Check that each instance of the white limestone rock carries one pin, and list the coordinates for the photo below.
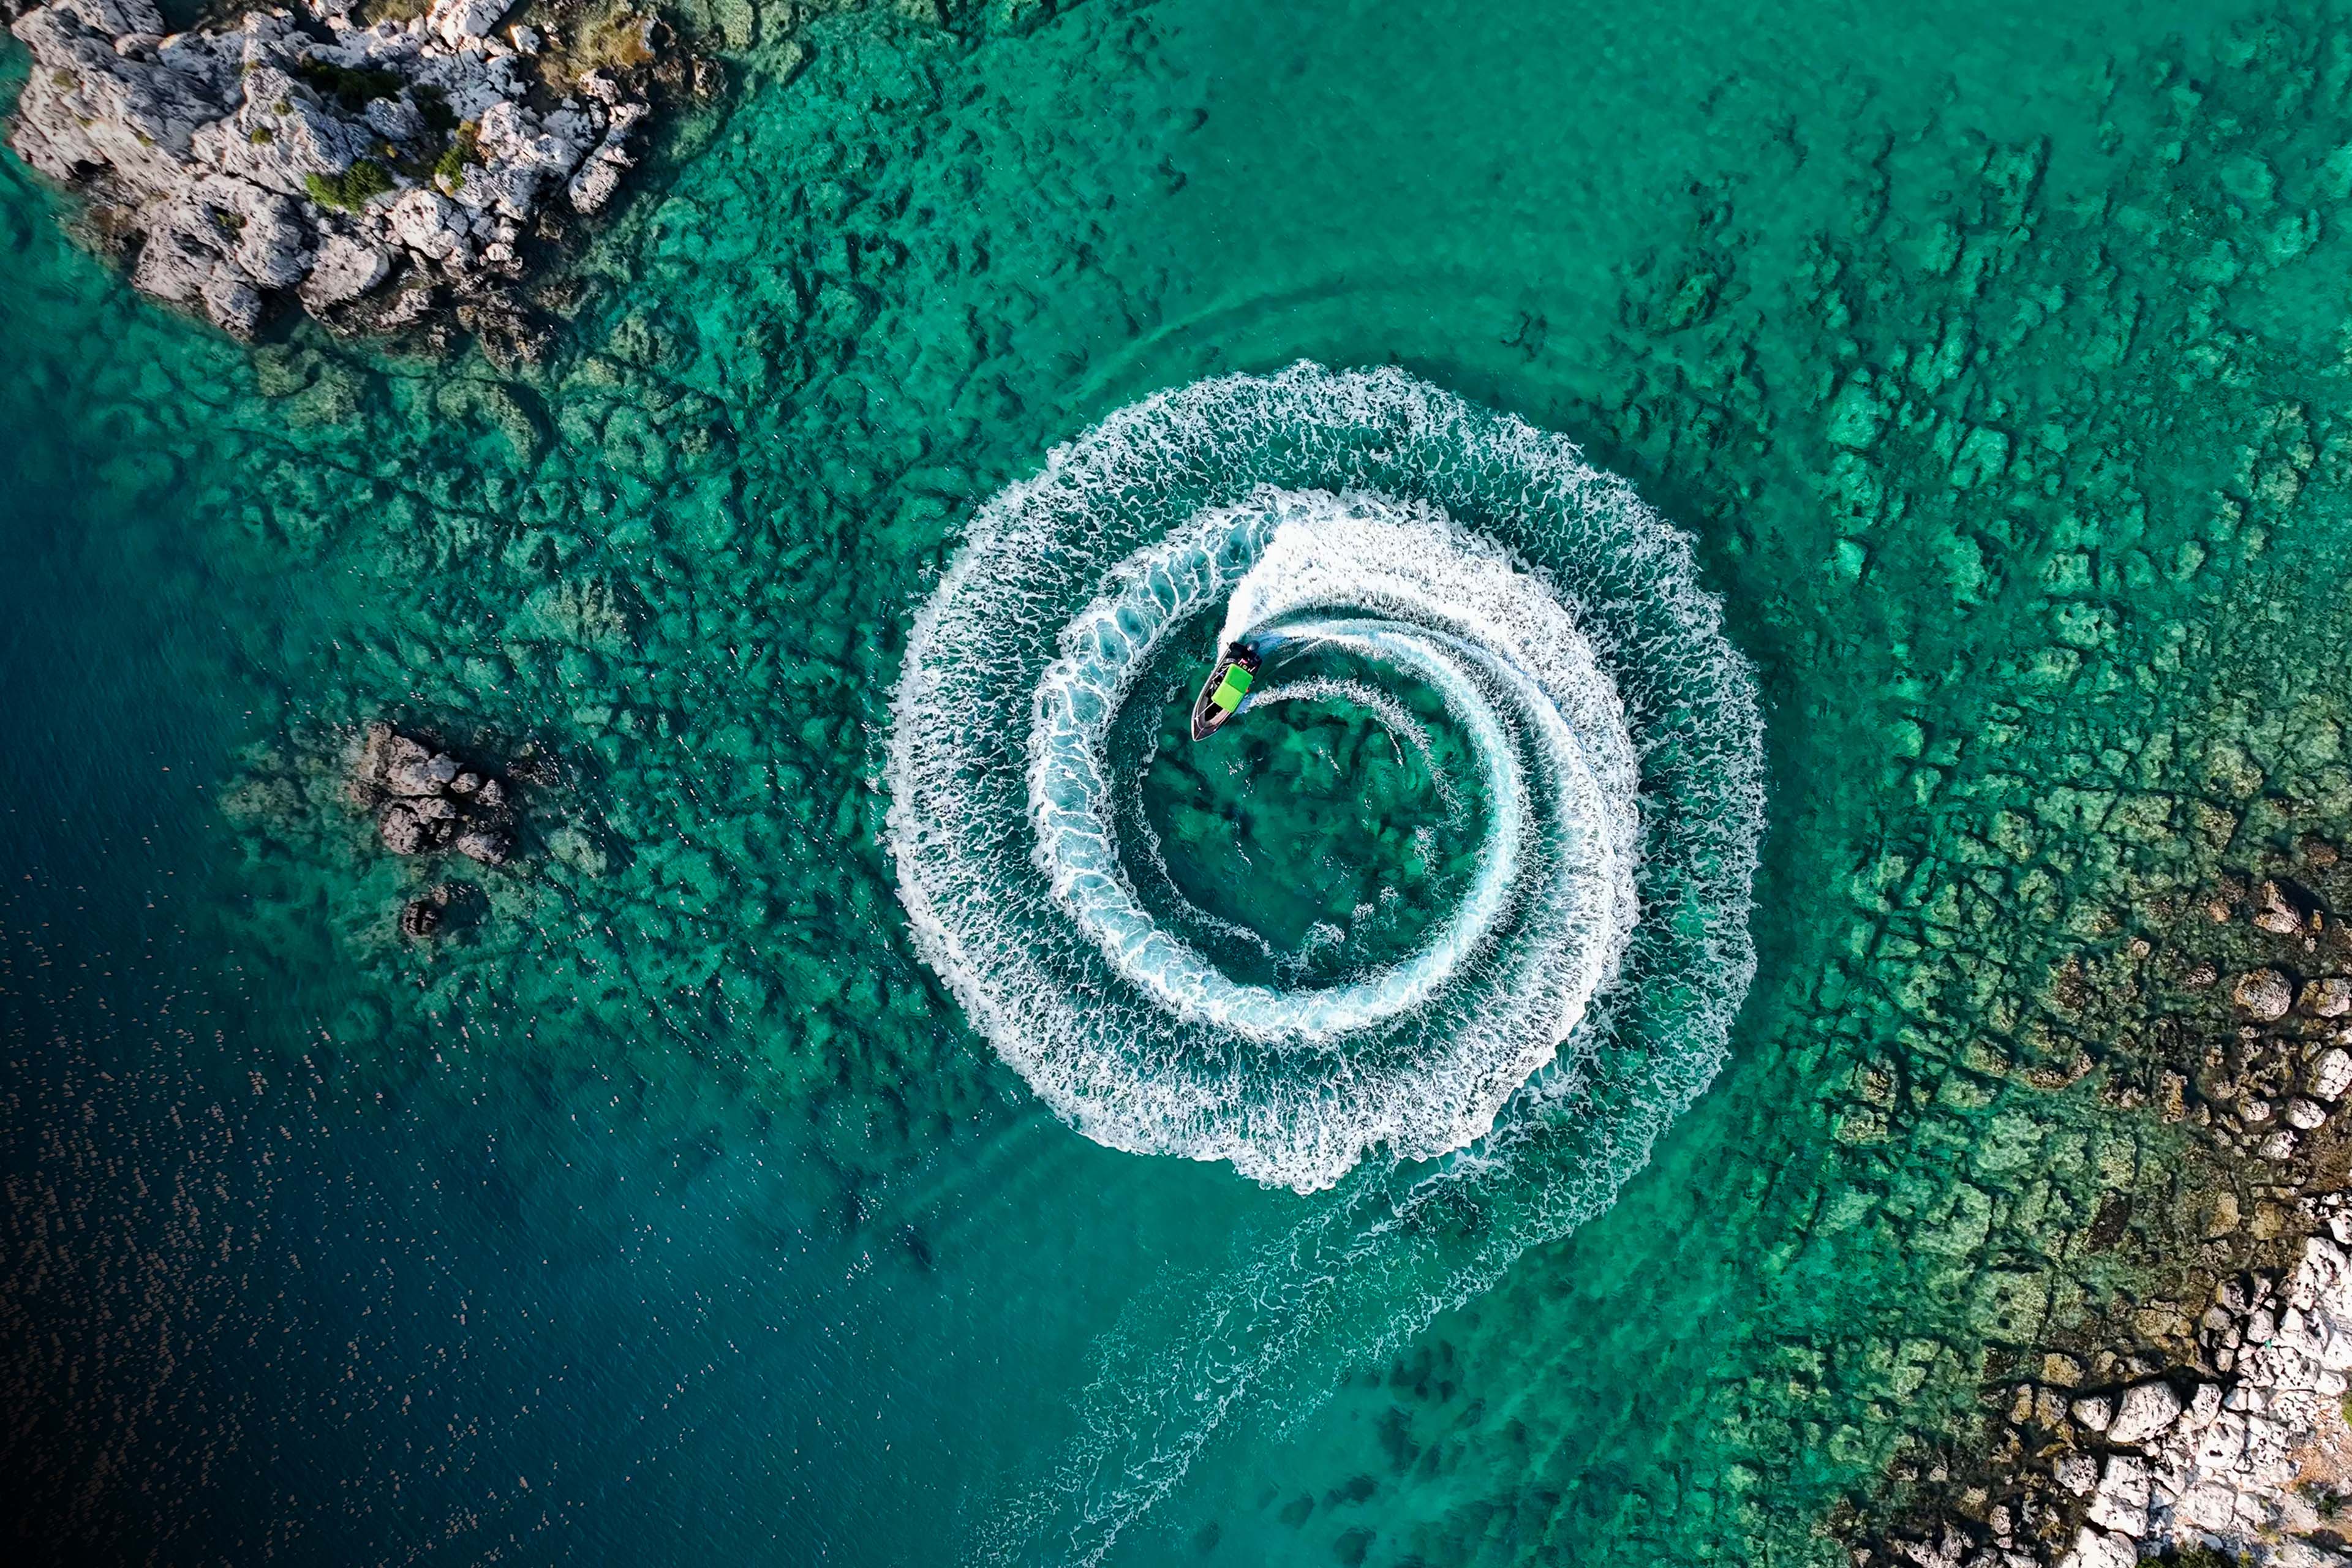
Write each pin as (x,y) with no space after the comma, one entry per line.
(116,19)
(2146,1409)
(456,20)
(403,831)
(2121,1503)
(2094,1413)
(488,848)
(280,134)
(170,267)
(521,154)
(593,186)
(395,120)
(345,269)
(2209,1506)
(600,176)
(218,245)
(2220,1444)
(2331,1075)
(2204,1405)
(2096,1549)
(2326,998)
(410,304)
(430,225)
(2224,1474)
(86,108)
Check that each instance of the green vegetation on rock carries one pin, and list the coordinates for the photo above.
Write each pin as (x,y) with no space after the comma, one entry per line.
(351,189)
(351,89)
(450,167)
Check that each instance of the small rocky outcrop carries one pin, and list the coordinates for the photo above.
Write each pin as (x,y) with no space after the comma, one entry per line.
(382,176)
(423,916)
(428,802)
(420,917)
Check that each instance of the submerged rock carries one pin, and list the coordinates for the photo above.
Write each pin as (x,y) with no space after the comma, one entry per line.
(428,915)
(420,917)
(361,170)
(2192,1430)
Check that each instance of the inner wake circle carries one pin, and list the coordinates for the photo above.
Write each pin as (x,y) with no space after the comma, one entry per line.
(1367,523)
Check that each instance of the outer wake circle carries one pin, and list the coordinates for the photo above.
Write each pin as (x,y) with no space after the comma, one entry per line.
(1554,619)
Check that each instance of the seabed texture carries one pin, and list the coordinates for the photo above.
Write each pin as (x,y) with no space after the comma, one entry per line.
(663,1207)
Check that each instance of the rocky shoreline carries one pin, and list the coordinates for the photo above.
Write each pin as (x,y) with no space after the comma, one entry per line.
(2097,1466)
(389,176)
(2248,1466)
(2203,1420)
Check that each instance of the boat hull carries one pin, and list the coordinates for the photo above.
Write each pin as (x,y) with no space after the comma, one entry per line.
(1220,694)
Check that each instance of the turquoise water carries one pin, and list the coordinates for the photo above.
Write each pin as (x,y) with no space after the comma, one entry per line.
(1361,886)
(1994,363)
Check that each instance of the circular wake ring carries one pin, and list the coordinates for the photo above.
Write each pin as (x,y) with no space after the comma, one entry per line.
(1555,622)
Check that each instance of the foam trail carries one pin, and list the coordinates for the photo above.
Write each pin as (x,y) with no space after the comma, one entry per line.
(1508,973)
(1485,1092)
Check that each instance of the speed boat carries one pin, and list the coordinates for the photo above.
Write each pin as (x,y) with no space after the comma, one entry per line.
(1222,694)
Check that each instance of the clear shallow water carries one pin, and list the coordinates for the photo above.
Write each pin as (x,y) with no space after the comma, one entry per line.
(672,1211)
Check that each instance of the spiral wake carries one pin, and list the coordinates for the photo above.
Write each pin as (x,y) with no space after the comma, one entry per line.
(1373,536)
